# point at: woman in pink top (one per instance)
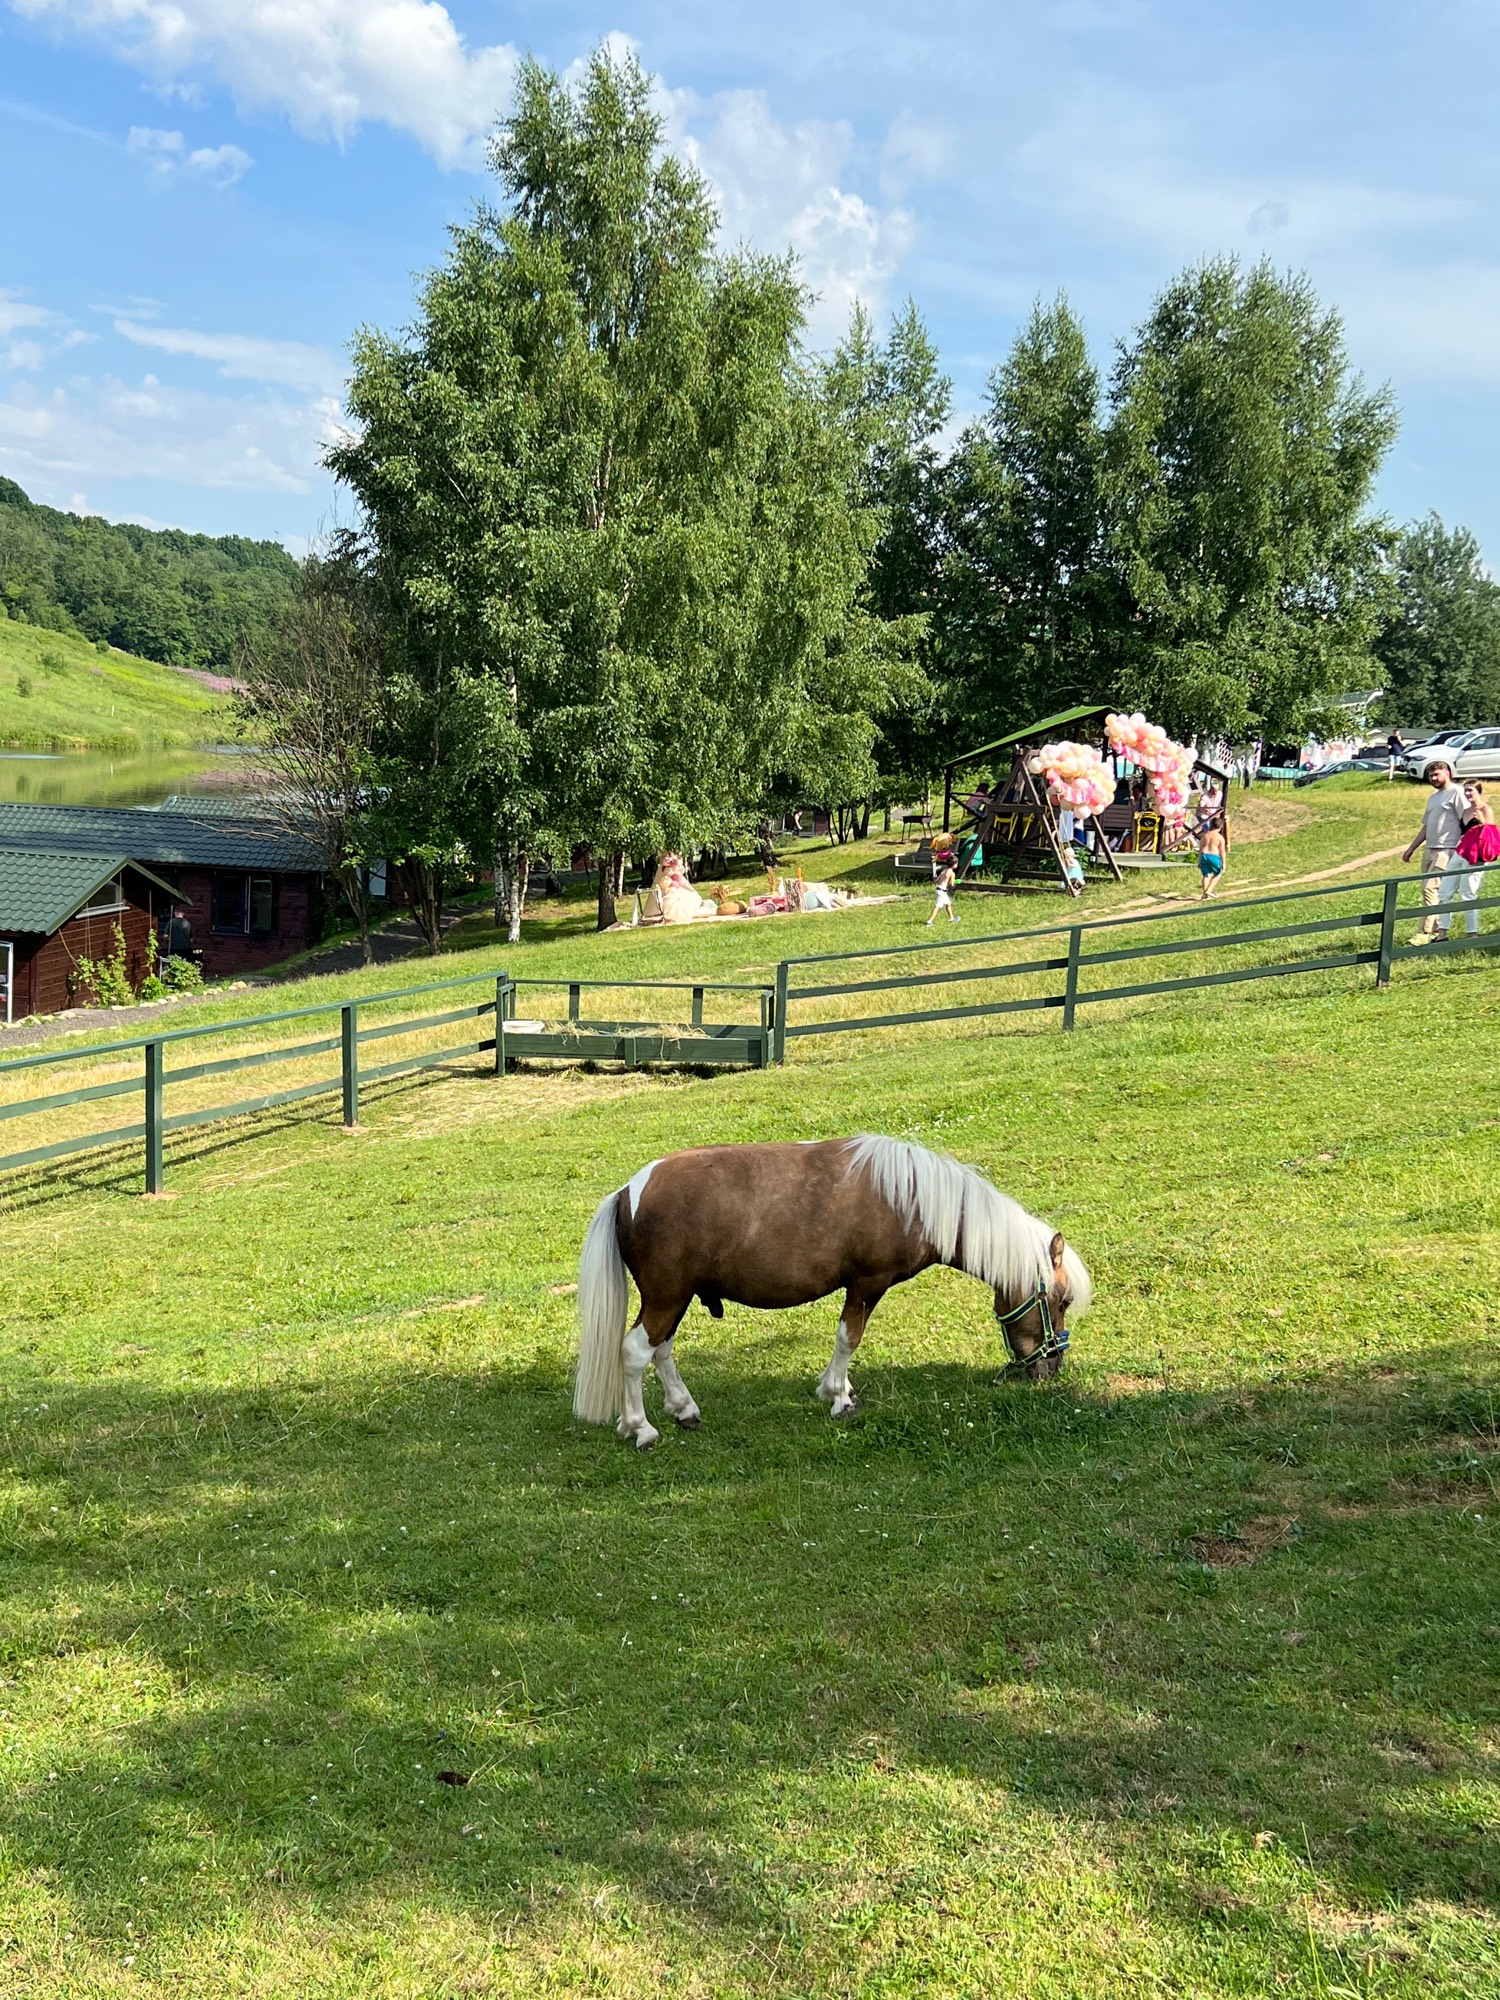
(1478, 847)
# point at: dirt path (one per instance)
(1264, 888)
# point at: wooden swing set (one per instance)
(1012, 833)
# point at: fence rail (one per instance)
(697, 1041)
(1062, 967)
(1076, 961)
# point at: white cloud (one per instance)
(102, 428)
(785, 187)
(30, 334)
(245, 356)
(917, 149)
(329, 66)
(1112, 165)
(1396, 262)
(168, 155)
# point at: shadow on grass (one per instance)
(257, 1624)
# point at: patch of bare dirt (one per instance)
(1135, 1385)
(1264, 816)
(1256, 1538)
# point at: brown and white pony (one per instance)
(782, 1225)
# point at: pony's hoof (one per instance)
(645, 1439)
(691, 1423)
(845, 1409)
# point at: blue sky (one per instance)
(203, 198)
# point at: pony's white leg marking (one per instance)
(674, 1390)
(833, 1383)
(635, 1187)
(633, 1403)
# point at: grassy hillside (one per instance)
(58, 693)
(1175, 1676)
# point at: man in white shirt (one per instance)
(1442, 829)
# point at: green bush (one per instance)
(109, 978)
(23, 686)
(180, 975)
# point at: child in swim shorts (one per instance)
(1213, 852)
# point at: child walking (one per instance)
(1213, 852)
(943, 884)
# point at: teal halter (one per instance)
(1055, 1341)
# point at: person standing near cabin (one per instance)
(1441, 830)
(944, 881)
(1213, 853)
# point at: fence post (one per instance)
(1387, 932)
(778, 1023)
(502, 1001)
(350, 1038)
(1070, 980)
(697, 1006)
(153, 1117)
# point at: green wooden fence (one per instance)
(575, 1034)
(1065, 964)
(1070, 957)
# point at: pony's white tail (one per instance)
(599, 1385)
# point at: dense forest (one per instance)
(186, 600)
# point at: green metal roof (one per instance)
(220, 806)
(41, 888)
(167, 839)
(1033, 729)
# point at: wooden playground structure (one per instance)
(1011, 835)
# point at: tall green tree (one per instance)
(188, 600)
(1241, 457)
(313, 691)
(1439, 654)
(1027, 595)
(612, 503)
(892, 400)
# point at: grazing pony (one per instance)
(781, 1225)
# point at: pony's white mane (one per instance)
(1002, 1245)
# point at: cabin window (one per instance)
(262, 905)
(244, 905)
(106, 899)
(231, 903)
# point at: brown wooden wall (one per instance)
(297, 916)
(46, 969)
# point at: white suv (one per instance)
(1421, 760)
(1478, 756)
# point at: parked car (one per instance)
(1447, 750)
(1362, 762)
(1479, 756)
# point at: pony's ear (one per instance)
(1055, 1251)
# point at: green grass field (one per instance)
(1174, 1676)
(81, 699)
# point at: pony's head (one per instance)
(1034, 1320)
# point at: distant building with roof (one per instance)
(252, 891)
(58, 908)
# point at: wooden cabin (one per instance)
(56, 910)
(252, 892)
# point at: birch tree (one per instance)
(609, 492)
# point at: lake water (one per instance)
(95, 778)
